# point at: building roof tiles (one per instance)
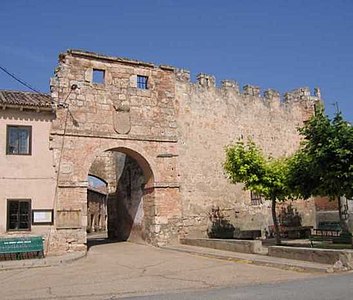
(20, 98)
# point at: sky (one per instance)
(279, 44)
(95, 182)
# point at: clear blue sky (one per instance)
(273, 44)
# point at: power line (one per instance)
(20, 80)
(73, 87)
(62, 104)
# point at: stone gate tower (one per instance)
(119, 105)
(158, 140)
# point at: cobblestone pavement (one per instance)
(118, 270)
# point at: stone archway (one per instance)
(161, 200)
(130, 187)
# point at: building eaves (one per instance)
(25, 99)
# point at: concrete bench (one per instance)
(247, 234)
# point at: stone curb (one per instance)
(253, 259)
(49, 261)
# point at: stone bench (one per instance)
(243, 246)
(324, 256)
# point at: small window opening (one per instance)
(18, 215)
(98, 76)
(18, 140)
(142, 82)
(256, 199)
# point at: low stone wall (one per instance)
(243, 246)
(324, 256)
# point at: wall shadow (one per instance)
(97, 239)
(125, 206)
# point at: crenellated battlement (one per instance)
(76, 68)
(206, 80)
(297, 94)
(248, 90)
(302, 94)
(182, 75)
(251, 90)
(272, 95)
(230, 84)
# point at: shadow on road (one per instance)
(96, 239)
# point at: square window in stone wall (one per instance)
(256, 199)
(98, 76)
(142, 82)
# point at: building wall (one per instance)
(96, 211)
(324, 204)
(126, 211)
(27, 176)
(104, 166)
(209, 118)
(327, 211)
(114, 116)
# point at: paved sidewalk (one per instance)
(48, 261)
(255, 259)
(260, 260)
(115, 270)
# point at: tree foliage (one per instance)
(324, 164)
(266, 176)
(246, 163)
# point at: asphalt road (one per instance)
(337, 287)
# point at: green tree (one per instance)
(324, 164)
(245, 163)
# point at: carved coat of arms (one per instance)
(121, 118)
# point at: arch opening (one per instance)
(97, 196)
(125, 211)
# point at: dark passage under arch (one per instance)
(129, 180)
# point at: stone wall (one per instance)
(126, 212)
(113, 115)
(96, 210)
(324, 204)
(174, 130)
(209, 118)
(104, 167)
(117, 105)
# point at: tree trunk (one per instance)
(343, 223)
(275, 222)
